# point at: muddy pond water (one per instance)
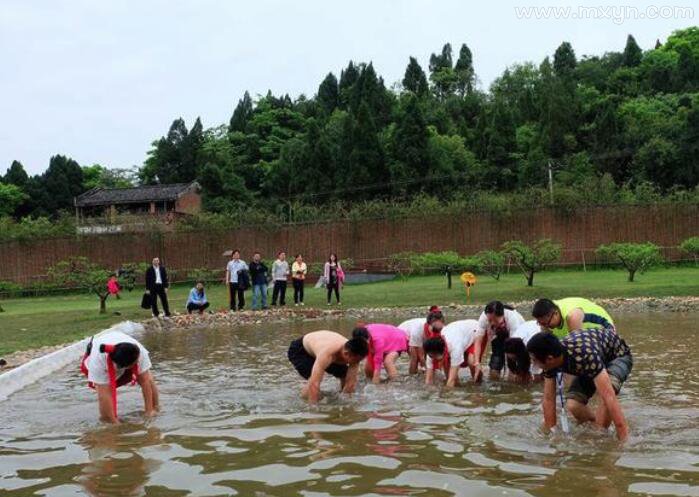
(232, 424)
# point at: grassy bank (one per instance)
(34, 322)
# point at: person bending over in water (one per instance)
(601, 362)
(519, 363)
(417, 330)
(115, 359)
(494, 327)
(321, 352)
(573, 313)
(386, 343)
(453, 350)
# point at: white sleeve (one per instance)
(97, 368)
(516, 320)
(144, 363)
(482, 325)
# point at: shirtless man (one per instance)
(321, 352)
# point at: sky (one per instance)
(100, 81)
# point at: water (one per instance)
(232, 424)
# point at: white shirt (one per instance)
(513, 320)
(233, 266)
(97, 362)
(459, 336)
(158, 278)
(414, 330)
(525, 332)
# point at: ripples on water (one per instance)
(232, 424)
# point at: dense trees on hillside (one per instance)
(625, 118)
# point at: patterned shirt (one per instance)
(588, 352)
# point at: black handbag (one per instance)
(146, 301)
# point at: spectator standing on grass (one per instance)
(280, 272)
(197, 300)
(157, 285)
(258, 277)
(235, 289)
(298, 278)
(333, 276)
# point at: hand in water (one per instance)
(478, 375)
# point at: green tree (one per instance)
(58, 186)
(465, 75)
(409, 148)
(691, 247)
(491, 262)
(16, 175)
(635, 257)
(415, 80)
(328, 94)
(632, 53)
(242, 114)
(11, 197)
(442, 72)
(564, 61)
(532, 259)
(79, 272)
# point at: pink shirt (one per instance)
(385, 338)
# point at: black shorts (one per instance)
(303, 361)
(497, 356)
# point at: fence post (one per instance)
(582, 252)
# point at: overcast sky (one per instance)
(100, 80)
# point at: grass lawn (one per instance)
(35, 322)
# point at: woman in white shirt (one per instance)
(453, 350)
(416, 330)
(495, 325)
(520, 366)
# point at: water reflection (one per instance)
(232, 424)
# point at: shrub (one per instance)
(691, 247)
(635, 257)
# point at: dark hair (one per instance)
(544, 307)
(360, 332)
(498, 308)
(281, 252)
(435, 316)
(235, 251)
(330, 257)
(522, 361)
(544, 344)
(199, 281)
(125, 354)
(255, 253)
(297, 256)
(357, 346)
(434, 346)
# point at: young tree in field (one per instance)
(691, 247)
(490, 262)
(635, 257)
(532, 259)
(79, 272)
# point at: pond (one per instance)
(232, 424)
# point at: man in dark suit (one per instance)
(157, 285)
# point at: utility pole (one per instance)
(551, 182)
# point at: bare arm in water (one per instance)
(323, 360)
(104, 397)
(613, 411)
(549, 403)
(150, 393)
(350, 382)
